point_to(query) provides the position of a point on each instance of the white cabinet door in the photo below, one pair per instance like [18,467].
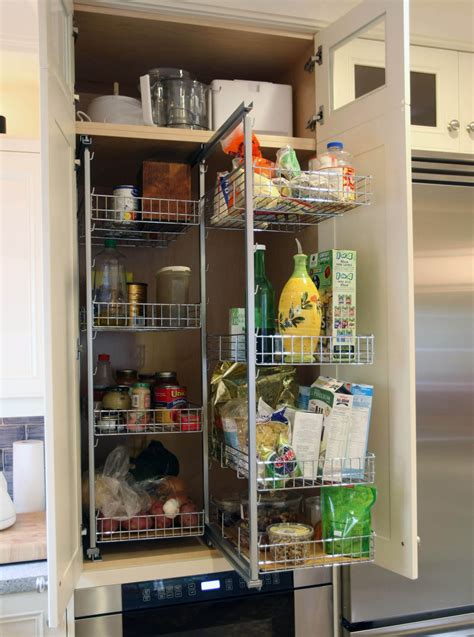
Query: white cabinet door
[21,280]
[435,99]
[466,102]
[375,128]
[434,89]
[62,425]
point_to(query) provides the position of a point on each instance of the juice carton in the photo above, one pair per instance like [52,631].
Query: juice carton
[334,274]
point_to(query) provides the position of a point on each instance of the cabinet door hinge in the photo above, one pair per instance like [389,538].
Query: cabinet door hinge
[80,349]
[75,33]
[318,118]
[317,58]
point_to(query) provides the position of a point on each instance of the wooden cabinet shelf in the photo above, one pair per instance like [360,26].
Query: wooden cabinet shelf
[176,143]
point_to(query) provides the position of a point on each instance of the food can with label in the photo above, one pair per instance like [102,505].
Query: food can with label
[125,204]
[188,420]
[137,297]
[169,398]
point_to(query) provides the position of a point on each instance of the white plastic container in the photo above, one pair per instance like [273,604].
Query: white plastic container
[272,104]
[172,284]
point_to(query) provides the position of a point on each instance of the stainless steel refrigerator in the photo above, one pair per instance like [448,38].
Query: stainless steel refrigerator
[441,600]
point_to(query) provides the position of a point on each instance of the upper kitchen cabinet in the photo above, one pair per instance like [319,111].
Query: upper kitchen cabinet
[441,85]
[466,102]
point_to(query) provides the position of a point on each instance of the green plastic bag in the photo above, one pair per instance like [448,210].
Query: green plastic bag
[347,520]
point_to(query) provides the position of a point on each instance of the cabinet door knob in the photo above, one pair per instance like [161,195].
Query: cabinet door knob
[453,125]
[470,127]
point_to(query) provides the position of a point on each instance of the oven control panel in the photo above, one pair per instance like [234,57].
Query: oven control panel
[197,588]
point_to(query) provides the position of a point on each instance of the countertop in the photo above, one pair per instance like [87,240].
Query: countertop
[21,578]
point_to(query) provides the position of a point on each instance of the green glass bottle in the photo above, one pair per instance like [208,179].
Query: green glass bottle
[265,317]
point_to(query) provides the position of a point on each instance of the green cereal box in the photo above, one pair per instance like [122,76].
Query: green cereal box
[334,274]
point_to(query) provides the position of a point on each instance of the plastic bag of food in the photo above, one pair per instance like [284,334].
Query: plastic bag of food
[287,163]
[234,415]
[233,143]
[155,462]
[117,496]
[346,515]
[275,385]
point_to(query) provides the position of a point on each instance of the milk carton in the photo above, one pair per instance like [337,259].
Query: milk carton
[334,274]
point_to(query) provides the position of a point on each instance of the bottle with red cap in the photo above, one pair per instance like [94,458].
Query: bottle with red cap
[103,377]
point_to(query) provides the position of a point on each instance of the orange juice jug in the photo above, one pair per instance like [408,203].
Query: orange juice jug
[299,314]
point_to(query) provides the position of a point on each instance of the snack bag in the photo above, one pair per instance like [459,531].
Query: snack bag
[287,163]
[233,143]
[347,519]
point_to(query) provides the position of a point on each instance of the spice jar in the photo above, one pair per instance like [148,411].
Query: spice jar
[166,378]
[312,510]
[116,398]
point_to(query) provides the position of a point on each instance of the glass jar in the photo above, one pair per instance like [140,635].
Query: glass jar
[166,378]
[275,508]
[116,398]
[126,377]
[312,514]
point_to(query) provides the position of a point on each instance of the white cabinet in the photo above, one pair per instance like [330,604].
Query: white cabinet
[441,86]
[26,615]
[375,128]
[466,102]
[21,279]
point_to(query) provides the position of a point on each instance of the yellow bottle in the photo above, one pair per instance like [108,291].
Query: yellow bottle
[299,314]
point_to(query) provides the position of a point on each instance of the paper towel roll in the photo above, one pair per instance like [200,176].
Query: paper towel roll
[28,476]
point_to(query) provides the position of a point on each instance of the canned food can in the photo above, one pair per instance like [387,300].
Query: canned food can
[137,296]
[170,396]
[125,204]
[188,420]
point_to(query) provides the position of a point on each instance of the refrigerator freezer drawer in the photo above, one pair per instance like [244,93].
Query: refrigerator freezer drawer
[454,626]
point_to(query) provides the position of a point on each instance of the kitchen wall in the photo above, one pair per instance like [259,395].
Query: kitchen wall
[12,429]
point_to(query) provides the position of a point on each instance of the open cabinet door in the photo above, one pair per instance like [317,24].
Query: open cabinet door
[60,304]
[375,128]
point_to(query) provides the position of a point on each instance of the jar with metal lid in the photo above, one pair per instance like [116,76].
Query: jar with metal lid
[116,398]
[166,378]
[126,377]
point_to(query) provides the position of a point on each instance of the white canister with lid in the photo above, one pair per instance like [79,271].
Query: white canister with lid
[172,284]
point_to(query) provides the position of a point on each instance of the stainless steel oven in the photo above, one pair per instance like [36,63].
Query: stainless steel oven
[213,605]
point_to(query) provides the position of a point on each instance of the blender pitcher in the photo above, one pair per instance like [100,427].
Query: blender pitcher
[171,98]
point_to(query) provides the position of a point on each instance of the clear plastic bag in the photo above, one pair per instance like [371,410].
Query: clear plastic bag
[117,495]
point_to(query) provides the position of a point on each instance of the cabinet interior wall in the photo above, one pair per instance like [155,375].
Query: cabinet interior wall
[119,48]
[114,48]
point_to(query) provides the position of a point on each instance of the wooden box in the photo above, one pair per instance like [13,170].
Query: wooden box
[171,184]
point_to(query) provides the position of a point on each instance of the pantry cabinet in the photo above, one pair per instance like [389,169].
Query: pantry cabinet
[374,127]
[441,83]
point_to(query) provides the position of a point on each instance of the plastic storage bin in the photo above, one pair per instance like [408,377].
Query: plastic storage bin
[272,104]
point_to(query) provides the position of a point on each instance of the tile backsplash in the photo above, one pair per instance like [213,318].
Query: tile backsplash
[12,429]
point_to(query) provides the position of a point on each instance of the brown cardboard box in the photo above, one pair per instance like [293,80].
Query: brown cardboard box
[167,181]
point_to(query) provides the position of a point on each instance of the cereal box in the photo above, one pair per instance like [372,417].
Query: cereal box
[334,274]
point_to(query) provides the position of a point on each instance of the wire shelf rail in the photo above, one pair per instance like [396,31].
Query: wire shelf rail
[149,527]
[143,317]
[299,474]
[141,221]
[119,422]
[295,350]
[284,200]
